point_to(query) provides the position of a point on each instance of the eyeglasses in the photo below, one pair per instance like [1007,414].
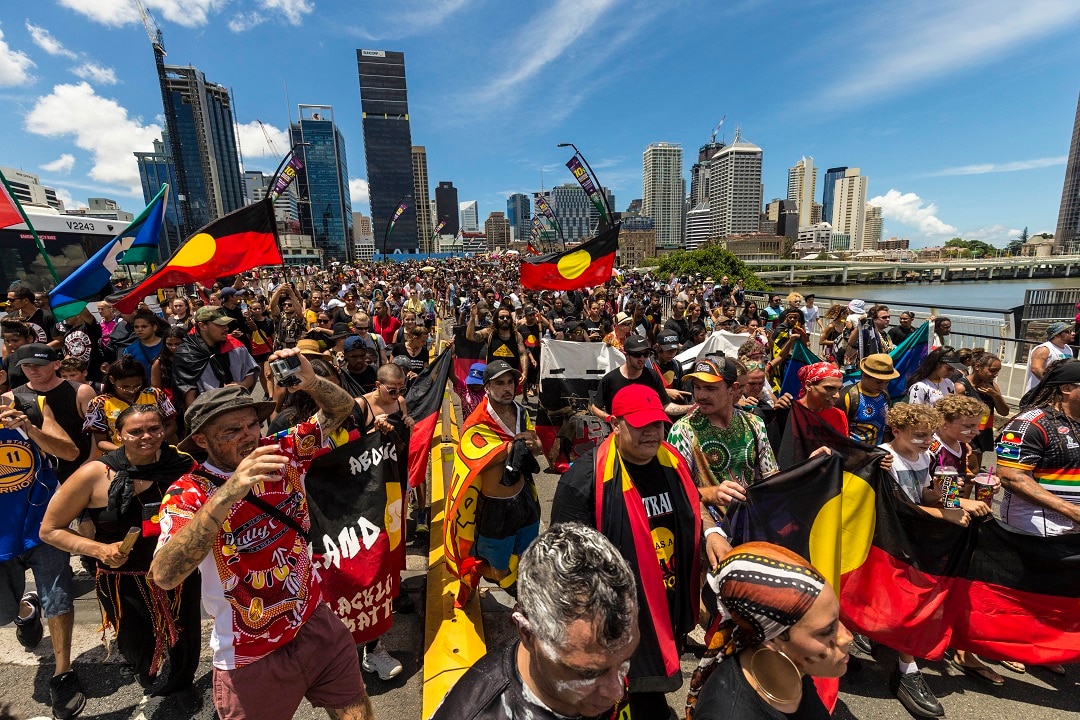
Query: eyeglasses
[324,320]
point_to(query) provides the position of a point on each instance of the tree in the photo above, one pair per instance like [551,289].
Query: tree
[1016,245]
[712,261]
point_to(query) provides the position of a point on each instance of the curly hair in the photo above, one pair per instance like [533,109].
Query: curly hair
[905,415]
[952,407]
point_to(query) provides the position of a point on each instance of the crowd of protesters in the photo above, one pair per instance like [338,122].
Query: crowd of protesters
[154,421]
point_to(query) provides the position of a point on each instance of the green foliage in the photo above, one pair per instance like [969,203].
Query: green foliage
[972,248]
[1017,243]
[711,261]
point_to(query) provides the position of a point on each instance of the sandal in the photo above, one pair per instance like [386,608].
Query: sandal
[1055,668]
[1016,667]
[981,673]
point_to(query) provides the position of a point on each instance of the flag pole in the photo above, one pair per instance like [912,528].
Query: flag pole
[37,240]
[610,219]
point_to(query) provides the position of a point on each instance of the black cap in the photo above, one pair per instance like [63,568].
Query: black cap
[498,368]
[667,341]
[35,354]
[636,344]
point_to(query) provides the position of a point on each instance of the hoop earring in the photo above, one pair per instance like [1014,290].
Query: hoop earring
[773,658]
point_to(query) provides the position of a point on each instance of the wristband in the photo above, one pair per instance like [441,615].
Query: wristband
[715,530]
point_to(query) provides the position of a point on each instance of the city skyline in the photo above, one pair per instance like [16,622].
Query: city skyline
[962,123]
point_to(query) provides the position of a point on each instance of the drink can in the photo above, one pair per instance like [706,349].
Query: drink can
[950,487]
[985,487]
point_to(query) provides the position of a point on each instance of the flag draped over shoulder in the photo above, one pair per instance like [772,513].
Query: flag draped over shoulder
[92,278]
[355,492]
[242,240]
[800,358]
[482,439]
[587,265]
[905,579]
[906,357]
[424,400]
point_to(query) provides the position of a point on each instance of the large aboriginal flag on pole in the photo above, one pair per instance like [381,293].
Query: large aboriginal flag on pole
[424,401]
[587,265]
[242,240]
[355,496]
[907,580]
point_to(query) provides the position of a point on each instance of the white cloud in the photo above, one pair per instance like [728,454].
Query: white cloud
[997,235]
[14,65]
[70,203]
[908,208]
[565,21]
[99,125]
[95,73]
[45,40]
[358,191]
[188,13]
[252,141]
[1016,166]
[918,43]
[408,17]
[62,164]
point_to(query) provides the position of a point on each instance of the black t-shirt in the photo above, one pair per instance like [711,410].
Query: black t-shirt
[44,325]
[590,325]
[16,377]
[680,327]
[898,334]
[365,379]
[727,694]
[615,381]
[416,364]
[84,342]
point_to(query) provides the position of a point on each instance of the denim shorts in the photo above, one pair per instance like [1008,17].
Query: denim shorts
[52,575]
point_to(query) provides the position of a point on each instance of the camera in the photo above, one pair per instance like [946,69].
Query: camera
[285,371]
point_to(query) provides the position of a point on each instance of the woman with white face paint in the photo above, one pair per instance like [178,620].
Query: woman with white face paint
[576,620]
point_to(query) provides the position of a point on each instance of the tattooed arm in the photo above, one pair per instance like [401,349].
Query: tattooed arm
[181,555]
[334,403]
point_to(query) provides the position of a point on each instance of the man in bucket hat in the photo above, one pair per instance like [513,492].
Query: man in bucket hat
[241,517]
[867,401]
[1058,336]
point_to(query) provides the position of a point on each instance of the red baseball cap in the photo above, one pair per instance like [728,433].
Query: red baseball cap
[638,405]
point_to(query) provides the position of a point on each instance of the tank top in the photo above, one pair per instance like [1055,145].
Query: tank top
[500,349]
[1056,353]
[62,401]
[111,526]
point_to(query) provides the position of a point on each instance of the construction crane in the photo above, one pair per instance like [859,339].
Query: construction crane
[172,146]
[269,140]
[717,130]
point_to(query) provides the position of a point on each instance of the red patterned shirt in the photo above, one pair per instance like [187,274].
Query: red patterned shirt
[258,582]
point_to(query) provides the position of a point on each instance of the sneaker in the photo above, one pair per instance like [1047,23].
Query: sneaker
[29,631]
[914,694]
[862,644]
[188,701]
[422,522]
[381,662]
[65,697]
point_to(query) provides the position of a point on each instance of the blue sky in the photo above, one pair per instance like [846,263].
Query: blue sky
[960,113]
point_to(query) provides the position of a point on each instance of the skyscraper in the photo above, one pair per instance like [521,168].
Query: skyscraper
[828,190]
[470,216]
[325,204]
[576,214]
[735,189]
[802,179]
[256,185]
[849,209]
[446,207]
[873,227]
[203,148]
[155,169]
[663,193]
[497,231]
[422,196]
[518,212]
[384,105]
[1068,225]
[699,174]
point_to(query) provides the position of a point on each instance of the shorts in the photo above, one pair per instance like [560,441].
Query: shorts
[506,526]
[52,576]
[321,664]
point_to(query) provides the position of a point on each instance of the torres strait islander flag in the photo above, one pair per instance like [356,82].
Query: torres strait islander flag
[587,265]
[242,240]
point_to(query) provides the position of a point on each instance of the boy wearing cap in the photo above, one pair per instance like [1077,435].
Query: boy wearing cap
[212,358]
[241,518]
[1056,347]
[635,371]
[493,511]
[638,491]
[667,347]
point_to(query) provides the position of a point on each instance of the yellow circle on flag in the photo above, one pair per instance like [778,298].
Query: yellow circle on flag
[574,264]
[196,251]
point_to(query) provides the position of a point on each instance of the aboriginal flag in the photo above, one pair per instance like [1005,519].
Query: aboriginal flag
[908,580]
[423,401]
[587,265]
[242,240]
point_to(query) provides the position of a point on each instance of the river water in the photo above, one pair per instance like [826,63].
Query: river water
[976,294]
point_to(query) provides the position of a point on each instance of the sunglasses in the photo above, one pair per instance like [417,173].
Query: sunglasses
[638,354]
[363,327]
[392,390]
